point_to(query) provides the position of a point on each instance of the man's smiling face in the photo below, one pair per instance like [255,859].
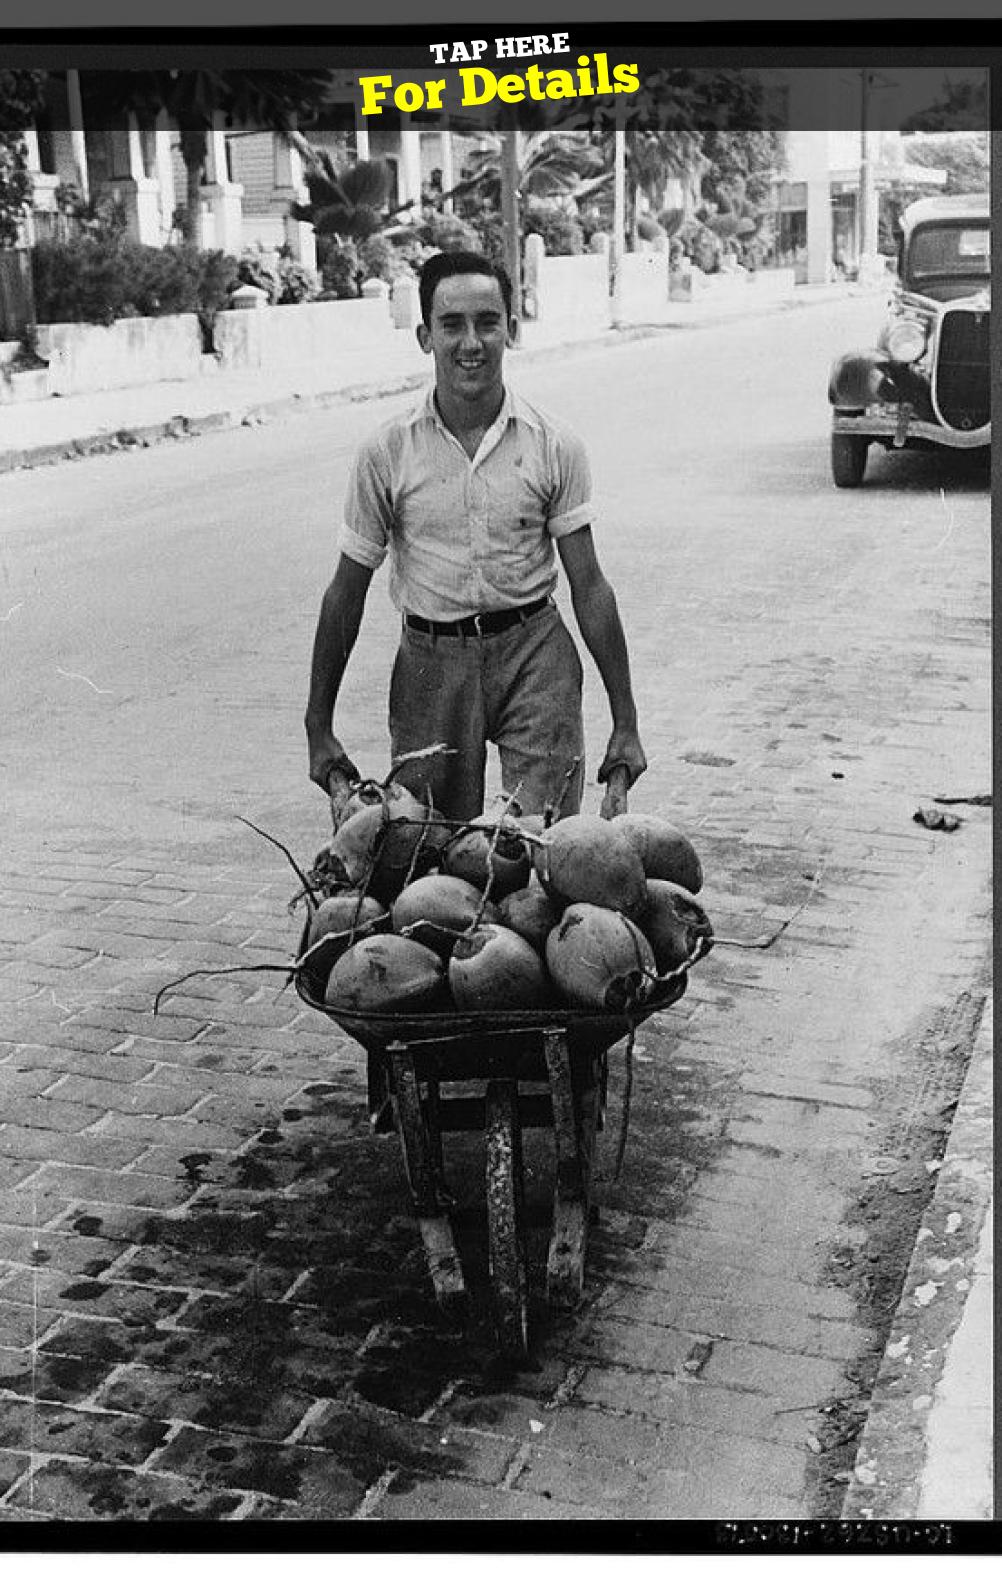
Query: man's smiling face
[467,337]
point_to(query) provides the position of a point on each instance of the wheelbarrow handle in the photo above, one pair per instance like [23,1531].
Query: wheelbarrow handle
[339,789]
[616,788]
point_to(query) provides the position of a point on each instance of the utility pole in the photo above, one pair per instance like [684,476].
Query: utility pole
[867,242]
[618,223]
[871,265]
[510,240]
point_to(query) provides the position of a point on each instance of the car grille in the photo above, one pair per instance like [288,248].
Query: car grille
[962,371]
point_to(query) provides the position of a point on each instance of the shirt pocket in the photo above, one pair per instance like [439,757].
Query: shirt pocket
[517,536]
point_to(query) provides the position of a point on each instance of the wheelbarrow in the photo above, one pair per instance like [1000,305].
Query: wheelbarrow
[527,1069]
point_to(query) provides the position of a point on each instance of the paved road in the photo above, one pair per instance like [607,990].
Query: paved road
[214,1289]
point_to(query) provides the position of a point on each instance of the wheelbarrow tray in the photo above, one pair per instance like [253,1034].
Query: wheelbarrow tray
[588,1033]
[412,1054]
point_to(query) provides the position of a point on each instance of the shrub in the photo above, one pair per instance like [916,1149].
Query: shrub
[413,252]
[561,232]
[380,260]
[259,268]
[98,279]
[340,267]
[299,284]
[489,231]
[217,274]
[447,233]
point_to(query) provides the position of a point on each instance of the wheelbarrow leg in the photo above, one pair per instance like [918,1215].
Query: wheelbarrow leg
[575,1118]
[505,1217]
[380,1099]
[419,1159]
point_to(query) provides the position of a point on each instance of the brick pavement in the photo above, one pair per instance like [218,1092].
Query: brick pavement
[213,1301]
[213,1293]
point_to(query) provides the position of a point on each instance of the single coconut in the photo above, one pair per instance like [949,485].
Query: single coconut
[346,913]
[494,969]
[599,960]
[584,858]
[674,924]
[372,795]
[531,913]
[382,842]
[468,856]
[386,974]
[335,926]
[435,909]
[663,850]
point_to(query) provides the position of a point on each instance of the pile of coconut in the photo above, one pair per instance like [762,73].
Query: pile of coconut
[408,913]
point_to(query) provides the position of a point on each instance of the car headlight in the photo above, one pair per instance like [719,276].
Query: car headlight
[906,340]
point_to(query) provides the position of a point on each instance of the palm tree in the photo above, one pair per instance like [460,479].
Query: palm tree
[652,159]
[549,165]
[349,203]
[196,101]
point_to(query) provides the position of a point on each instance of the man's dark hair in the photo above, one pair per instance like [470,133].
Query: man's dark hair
[441,265]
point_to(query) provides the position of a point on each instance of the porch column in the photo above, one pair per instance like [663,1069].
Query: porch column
[164,164]
[140,193]
[224,196]
[410,167]
[448,166]
[819,230]
[70,143]
[290,188]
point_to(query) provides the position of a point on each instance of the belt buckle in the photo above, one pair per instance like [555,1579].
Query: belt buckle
[478,629]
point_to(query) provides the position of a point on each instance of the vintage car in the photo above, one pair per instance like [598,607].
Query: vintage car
[927,382]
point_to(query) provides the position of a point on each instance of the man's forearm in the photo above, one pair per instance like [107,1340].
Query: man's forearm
[597,616]
[337,629]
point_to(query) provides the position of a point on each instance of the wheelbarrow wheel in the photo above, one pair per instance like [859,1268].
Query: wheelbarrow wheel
[505,1218]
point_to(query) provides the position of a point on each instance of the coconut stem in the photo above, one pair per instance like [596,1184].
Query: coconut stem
[307,887]
[409,758]
[420,843]
[491,850]
[222,972]
[766,941]
[551,812]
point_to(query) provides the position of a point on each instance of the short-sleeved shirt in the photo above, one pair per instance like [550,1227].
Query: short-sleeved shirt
[466,535]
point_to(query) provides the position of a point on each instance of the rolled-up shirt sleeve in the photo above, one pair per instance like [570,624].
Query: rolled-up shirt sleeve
[368,509]
[571,505]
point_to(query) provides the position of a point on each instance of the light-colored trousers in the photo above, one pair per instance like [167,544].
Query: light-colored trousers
[520,689]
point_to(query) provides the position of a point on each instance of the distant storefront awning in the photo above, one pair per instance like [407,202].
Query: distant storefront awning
[888,177]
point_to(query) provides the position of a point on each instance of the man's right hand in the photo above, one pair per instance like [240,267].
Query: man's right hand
[330,766]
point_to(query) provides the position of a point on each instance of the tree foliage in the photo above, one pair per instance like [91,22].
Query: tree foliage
[742,161]
[21,98]
[349,203]
[963,155]
[962,106]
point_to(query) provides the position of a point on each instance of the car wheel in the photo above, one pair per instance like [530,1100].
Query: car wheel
[849,460]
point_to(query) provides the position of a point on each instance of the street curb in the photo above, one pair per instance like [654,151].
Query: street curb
[893,1449]
[253,412]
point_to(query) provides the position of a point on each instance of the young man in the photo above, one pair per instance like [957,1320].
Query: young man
[468,494]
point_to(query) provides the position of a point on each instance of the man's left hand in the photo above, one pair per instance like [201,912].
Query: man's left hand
[624,748]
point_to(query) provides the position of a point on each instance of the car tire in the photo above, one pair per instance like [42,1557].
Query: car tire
[849,460]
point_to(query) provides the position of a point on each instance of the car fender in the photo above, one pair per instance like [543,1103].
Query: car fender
[858,379]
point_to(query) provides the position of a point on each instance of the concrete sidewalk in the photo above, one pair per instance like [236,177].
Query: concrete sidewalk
[35,433]
[926,1452]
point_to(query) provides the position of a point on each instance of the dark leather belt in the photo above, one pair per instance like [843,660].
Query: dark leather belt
[484,625]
